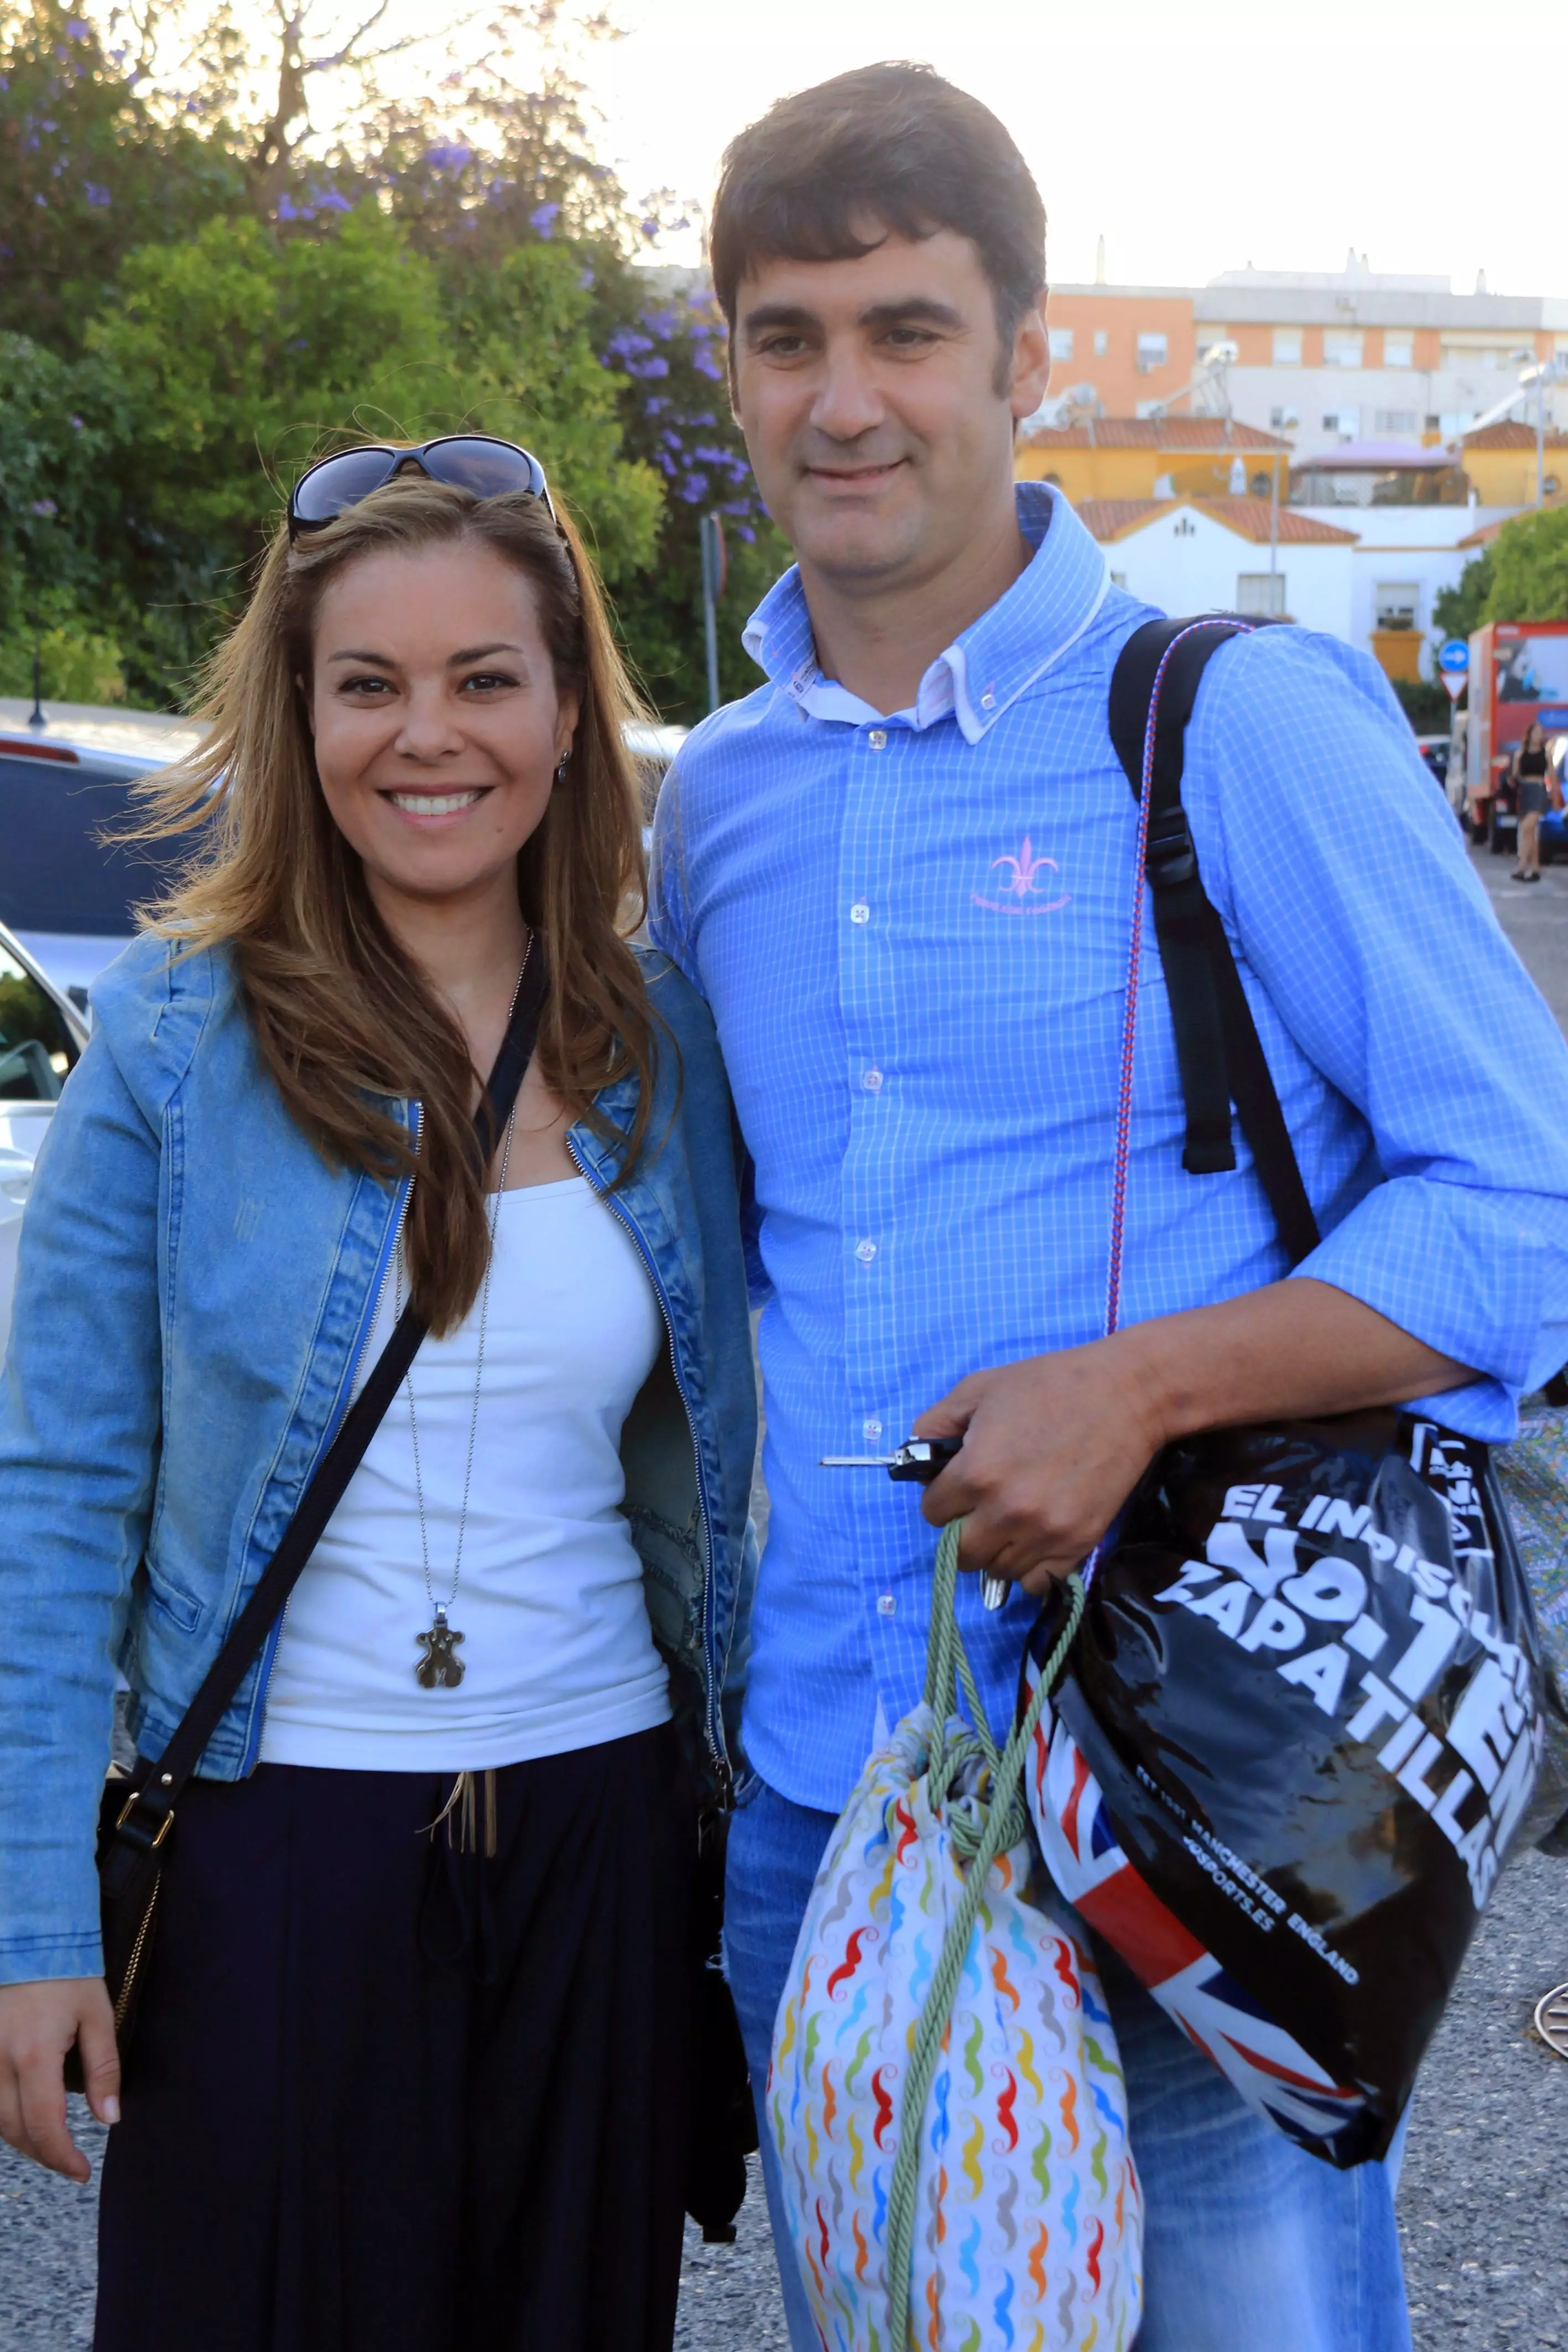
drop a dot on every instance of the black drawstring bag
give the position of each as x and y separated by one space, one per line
1302 1719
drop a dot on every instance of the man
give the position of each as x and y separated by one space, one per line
903 873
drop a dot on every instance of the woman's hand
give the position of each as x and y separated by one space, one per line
38 2024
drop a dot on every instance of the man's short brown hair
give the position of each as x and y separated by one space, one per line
892 146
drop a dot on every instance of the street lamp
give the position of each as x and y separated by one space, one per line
1539 372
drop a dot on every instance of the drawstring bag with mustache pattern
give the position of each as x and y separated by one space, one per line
944 2089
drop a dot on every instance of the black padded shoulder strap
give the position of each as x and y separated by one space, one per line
150 1805
1218 1050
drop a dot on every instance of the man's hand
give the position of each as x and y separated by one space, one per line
38 2024
1054 1446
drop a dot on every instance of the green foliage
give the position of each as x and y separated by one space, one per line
204 289
239 355
1456 611
1530 560
669 345
74 666
524 354
90 174
1425 705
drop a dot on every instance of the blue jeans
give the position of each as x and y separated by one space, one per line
1247 2241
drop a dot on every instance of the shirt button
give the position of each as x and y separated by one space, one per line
988 699
860 912
877 738
871 1430
866 1252
871 1082
887 1606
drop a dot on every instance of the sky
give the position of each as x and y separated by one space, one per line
1193 135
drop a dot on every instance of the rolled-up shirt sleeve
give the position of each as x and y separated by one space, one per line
1343 878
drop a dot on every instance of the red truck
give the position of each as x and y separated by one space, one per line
1519 672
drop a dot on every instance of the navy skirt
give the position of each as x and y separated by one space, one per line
389 2097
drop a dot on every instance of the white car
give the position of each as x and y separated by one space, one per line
41 1036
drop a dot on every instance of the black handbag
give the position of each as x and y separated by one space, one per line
136 1817
1303 1716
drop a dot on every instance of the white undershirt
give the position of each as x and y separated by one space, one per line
557 1649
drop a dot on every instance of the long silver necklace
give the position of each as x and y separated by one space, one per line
440 1664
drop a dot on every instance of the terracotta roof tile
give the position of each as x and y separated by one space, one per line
1510 434
1182 435
1113 519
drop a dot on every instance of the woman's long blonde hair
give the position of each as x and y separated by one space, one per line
342 1018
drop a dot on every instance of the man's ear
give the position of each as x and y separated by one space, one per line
1030 374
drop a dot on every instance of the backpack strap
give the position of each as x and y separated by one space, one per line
1219 1054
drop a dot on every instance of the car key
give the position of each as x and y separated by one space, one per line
920 1459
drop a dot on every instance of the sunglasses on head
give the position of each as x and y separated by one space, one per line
467 461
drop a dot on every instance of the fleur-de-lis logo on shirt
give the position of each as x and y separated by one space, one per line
1026 894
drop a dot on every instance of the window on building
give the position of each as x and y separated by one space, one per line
1398 351
1343 420
1101 343
1397 420
1397 603
1061 343
1261 595
1287 347
1342 346
1154 351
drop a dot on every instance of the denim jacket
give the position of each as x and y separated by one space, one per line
195 1289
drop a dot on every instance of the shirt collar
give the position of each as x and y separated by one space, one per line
983 672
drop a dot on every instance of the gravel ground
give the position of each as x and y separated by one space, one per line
1482 2207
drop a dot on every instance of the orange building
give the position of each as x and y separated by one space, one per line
1499 463
1155 458
1133 343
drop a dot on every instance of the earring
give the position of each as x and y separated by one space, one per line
561 772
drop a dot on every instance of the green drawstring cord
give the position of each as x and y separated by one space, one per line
980 1831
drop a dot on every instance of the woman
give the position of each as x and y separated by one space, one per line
1534 787
410 2066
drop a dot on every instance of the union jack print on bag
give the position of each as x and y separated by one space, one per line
1269 2070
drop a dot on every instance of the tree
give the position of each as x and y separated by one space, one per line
61 463
1530 568
88 170
667 338
1456 611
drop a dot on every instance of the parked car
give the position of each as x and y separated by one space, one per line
41 1036
1434 751
65 893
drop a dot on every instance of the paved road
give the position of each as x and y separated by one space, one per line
1483 2203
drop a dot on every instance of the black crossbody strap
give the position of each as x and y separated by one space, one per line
1219 1054
149 1808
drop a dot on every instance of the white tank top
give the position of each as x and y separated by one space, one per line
557 1651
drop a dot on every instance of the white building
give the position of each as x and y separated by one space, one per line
1210 555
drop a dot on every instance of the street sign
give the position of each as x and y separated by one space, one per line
1454 658
1456 681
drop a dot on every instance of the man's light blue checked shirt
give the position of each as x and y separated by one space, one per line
913 933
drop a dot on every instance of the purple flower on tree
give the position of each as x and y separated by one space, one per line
450 158
543 218
95 195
